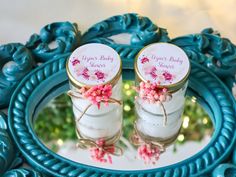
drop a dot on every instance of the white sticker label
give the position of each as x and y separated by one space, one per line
163 63
94 64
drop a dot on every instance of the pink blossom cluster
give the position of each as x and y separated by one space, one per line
167 76
100 75
85 73
97 94
102 153
153 72
144 60
149 153
152 93
75 62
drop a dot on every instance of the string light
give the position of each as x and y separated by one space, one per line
127 108
205 121
186 122
60 142
127 86
181 137
194 99
128 93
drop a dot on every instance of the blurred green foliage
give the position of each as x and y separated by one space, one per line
55 123
56 120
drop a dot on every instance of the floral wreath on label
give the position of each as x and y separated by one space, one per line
158 75
82 71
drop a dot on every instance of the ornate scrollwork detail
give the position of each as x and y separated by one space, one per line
8 153
209 49
22 172
142 30
65 34
15 62
234 155
224 170
216 96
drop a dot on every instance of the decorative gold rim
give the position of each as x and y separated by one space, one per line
78 84
172 87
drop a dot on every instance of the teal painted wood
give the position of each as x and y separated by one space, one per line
65 34
230 81
6 145
9 155
234 155
15 62
22 172
50 80
209 49
206 48
142 30
225 170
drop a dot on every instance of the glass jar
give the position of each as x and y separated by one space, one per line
169 67
89 66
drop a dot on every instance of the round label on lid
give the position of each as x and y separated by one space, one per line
93 64
163 63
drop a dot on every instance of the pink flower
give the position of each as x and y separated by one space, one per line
97 94
149 153
167 76
153 72
85 73
100 75
100 152
144 60
75 62
152 92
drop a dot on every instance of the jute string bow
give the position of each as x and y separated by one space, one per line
96 95
100 149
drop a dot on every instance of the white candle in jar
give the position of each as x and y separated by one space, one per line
169 66
88 66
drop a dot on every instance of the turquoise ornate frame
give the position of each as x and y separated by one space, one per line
213 60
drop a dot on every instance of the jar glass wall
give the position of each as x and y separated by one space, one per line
94 72
161 71
104 122
150 117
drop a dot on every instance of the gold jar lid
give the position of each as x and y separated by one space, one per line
94 64
163 63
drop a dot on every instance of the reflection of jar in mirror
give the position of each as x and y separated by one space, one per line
164 67
94 72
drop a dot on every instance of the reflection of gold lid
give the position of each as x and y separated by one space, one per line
171 87
95 50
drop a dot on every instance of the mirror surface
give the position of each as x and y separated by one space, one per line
55 127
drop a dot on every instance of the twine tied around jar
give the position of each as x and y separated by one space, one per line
150 148
101 147
96 95
152 93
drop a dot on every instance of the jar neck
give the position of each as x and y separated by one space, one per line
171 89
113 82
